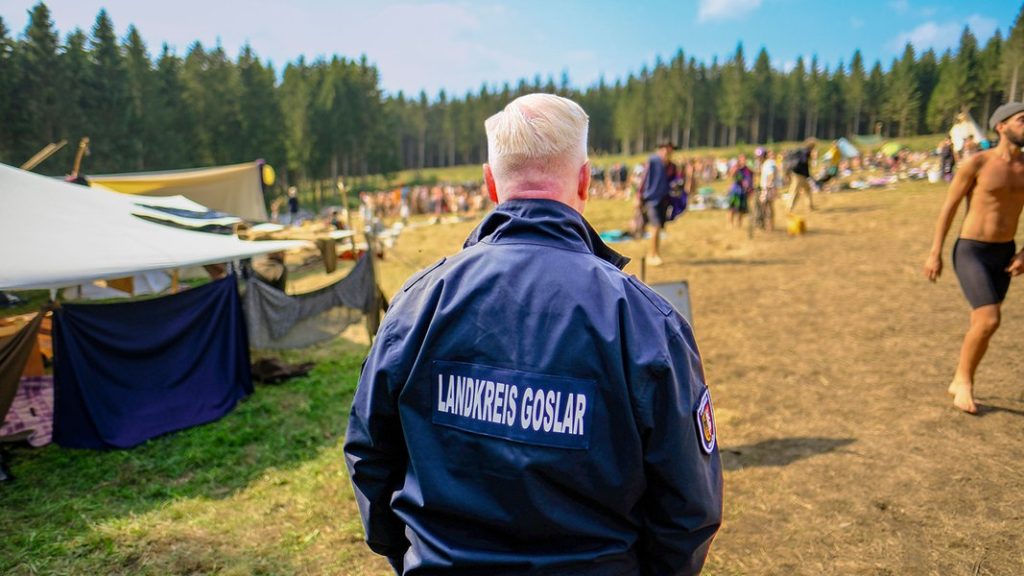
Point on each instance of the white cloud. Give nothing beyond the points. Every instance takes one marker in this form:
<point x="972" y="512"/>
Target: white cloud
<point x="900" y="5"/>
<point x="856" y="23"/>
<point x="725" y="9"/>
<point x="982" y="26"/>
<point x="930" y="34"/>
<point x="940" y="36"/>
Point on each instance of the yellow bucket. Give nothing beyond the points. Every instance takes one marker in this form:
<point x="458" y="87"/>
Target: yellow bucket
<point x="795" y="225"/>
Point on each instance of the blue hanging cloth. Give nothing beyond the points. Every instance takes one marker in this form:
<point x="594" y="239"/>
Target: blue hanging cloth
<point x="127" y="372"/>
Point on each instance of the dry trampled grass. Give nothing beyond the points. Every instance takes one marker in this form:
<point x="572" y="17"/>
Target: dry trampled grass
<point x="828" y="357"/>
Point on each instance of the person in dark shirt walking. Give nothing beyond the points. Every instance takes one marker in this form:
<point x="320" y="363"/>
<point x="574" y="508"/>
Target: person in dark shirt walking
<point x="654" y="198"/>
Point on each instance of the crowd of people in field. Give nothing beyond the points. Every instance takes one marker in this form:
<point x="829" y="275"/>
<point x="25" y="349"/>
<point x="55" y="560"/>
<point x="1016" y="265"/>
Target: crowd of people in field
<point x="752" y="183"/>
<point x="461" y="200"/>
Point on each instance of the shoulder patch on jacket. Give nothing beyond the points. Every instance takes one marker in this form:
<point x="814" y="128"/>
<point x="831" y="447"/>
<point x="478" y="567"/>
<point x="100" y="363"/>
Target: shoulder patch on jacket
<point x="707" y="431"/>
<point x="419" y="275"/>
<point x="664" y="307"/>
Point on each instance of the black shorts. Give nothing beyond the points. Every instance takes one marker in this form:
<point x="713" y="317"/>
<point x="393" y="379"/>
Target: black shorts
<point x="981" y="269"/>
<point x="656" y="212"/>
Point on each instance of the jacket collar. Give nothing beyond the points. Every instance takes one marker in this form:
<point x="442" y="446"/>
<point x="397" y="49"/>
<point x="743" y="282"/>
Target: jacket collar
<point x="546" y="222"/>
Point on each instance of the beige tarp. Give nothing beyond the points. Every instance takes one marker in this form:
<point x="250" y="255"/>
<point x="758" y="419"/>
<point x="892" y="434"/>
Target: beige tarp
<point x="235" y="189"/>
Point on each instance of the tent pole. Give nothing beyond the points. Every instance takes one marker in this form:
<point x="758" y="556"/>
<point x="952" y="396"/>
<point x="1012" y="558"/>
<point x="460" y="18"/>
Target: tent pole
<point x="174" y="281"/>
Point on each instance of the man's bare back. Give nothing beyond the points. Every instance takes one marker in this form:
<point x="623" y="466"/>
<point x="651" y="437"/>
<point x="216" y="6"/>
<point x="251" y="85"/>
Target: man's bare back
<point x="984" y="255"/>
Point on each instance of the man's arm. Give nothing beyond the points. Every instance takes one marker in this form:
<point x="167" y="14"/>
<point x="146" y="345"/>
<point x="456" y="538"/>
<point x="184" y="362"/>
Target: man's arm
<point x="376" y="455"/>
<point x="682" y="506"/>
<point x="963" y="183"/>
<point x="1016" y="266"/>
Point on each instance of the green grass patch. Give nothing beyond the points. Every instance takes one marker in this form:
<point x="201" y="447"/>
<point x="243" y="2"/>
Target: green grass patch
<point x="261" y="491"/>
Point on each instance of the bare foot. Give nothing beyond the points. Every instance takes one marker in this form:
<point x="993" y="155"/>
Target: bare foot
<point x="963" y="396"/>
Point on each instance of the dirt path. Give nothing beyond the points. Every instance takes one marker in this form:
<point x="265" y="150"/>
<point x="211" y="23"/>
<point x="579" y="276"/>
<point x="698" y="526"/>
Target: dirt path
<point x="828" y="356"/>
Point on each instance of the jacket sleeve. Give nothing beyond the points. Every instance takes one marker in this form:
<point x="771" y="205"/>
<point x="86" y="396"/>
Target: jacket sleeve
<point x="375" y="453"/>
<point x="682" y="507"/>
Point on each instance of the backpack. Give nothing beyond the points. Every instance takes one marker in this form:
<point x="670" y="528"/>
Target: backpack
<point x="790" y="160"/>
<point x="796" y="160"/>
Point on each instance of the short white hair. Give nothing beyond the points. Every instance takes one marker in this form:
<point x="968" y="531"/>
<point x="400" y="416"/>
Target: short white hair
<point x="535" y="130"/>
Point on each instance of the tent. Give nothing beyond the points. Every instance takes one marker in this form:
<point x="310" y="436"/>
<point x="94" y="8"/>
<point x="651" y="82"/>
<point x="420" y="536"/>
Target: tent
<point x="847" y="149"/>
<point x="236" y="189"/>
<point x="54" y="234"/>
<point x="124" y="373"/>
<point x="892" y="148"/>
<point x="965" y="126"/>
<point x="867" y="140"/>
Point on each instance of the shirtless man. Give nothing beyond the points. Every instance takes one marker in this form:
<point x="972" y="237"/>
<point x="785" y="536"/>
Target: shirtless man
<point x="984" y="256"/>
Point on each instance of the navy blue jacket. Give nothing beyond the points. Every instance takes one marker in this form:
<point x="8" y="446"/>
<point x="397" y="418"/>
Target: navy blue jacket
<point x="527" y="408"/>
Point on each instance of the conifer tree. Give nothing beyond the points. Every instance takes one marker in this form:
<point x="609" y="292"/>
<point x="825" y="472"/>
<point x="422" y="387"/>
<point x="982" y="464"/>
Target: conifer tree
<point x="35" y="95"/>
<point x="855" y="93"/>
<point x="109" y="110"/>
<point x="7" y="81"/>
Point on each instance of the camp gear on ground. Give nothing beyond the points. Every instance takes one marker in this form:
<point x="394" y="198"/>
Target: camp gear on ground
<point x="275" y="370"/>
<point x="31" y="412"/>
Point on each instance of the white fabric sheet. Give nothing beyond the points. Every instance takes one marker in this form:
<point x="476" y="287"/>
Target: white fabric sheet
<point x="54" y="234"/>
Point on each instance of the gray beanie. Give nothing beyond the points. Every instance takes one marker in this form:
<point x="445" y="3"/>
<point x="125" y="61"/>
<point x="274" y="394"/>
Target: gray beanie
<point x="1005" y="111"/>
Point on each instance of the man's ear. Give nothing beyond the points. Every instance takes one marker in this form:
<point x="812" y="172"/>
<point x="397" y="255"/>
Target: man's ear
<point x="583" y="189"/>
<point x="492" y="190"/>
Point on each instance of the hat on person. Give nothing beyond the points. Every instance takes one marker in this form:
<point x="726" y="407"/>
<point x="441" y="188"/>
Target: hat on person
<point x="1004" y="112"/>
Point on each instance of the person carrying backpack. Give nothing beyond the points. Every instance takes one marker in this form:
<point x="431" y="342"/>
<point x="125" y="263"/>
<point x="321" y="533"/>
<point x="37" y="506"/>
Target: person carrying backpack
<point x="799" y="164"/>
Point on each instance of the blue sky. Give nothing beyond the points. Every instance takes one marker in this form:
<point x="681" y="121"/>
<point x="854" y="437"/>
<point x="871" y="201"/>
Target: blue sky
<point x="459" y="45"/>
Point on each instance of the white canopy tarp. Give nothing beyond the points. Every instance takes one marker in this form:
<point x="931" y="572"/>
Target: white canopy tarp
<point x="54" y="234"/>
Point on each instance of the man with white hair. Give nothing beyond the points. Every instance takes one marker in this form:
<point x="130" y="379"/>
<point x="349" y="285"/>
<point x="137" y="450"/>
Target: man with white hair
<point x="527" y="408"/>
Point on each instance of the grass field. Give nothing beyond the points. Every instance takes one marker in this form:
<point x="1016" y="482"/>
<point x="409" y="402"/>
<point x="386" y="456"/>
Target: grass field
<point x="827" y="354"/>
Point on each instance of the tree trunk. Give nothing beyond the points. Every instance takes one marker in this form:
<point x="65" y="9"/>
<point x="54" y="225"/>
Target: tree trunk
<point x="1013" y="84"/>
<point x="421" y="159"/>
<point x="987" y="101"/>
<point x="689" y="123"/>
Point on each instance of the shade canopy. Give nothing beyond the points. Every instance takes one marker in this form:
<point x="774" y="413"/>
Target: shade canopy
<point x="54" y="234"/>
<point x="236" y="189"/>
